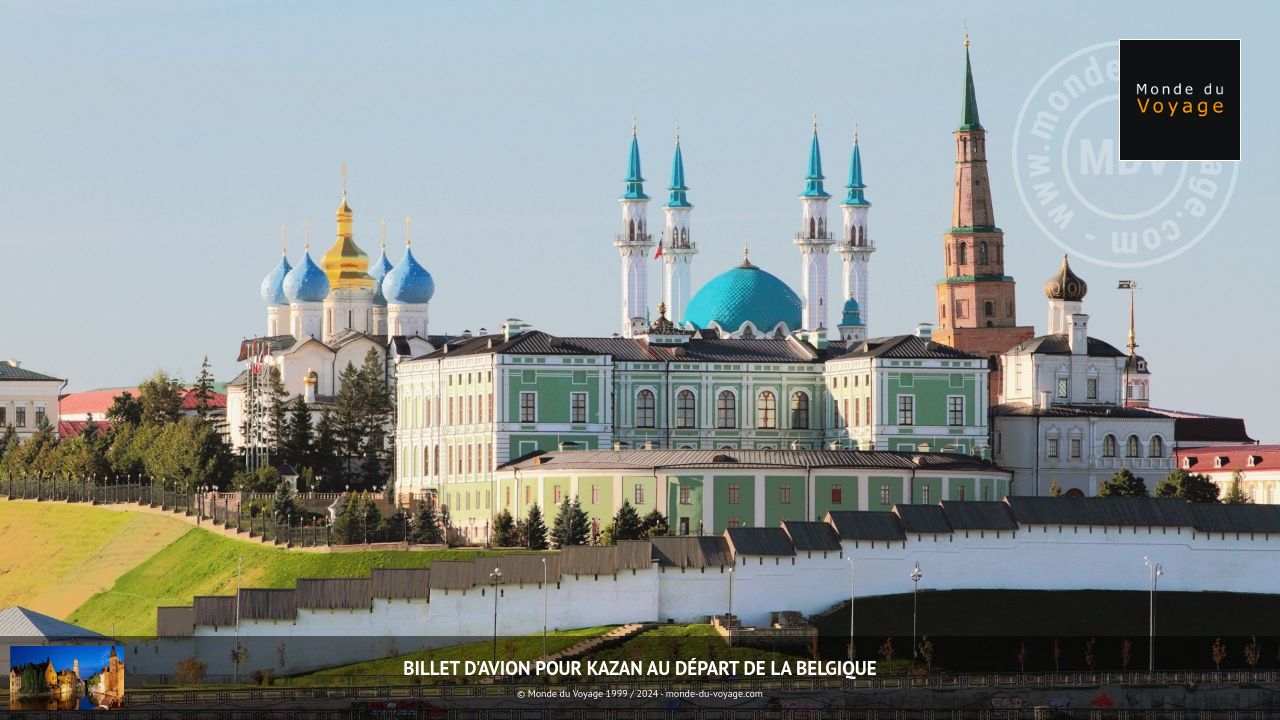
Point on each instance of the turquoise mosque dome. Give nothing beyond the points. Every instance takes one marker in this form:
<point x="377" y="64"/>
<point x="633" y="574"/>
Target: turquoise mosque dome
<point x="744" y="294"/>
<point x="378" y="271"/>
<point x="408" y="283"/>
<point x="306" y="282"/>
<point x="851" y="315"/>
<point x="272" y="288"/>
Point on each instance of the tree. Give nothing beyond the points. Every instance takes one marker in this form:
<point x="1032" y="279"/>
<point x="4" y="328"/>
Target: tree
<point x="426" y="528"/>
<point x="926" y="652"/>
<point x="361" y="413"/>
<point x="654" y="524"/>
<point x="125" y="410"/>
<point x="276" y="406"/>
<point x="1218" y="653"/>
<point x="187" y="454"/>
<point x="1193" y="487"/>
<point x="1021" y="657"/>
<point x="1252" y="653"/>
<point x="1091" y="653"/>
<point x="203" y="389"/>
<point x="1126" y="654"/>
<point x="324" y="454"/>
<point x="1123" y="484"/>
<point x="1055" y="490"/>
<point x="886" y="652"/>
<point x="536" y="528"/>
<point x="161" y="398"/>
<point x="283" y="508"/>
<point x="626" y="524"/>
<point x="572" y="526"/>
<point x="295" y="444"/>
<point x="504" y="530"/>
<point x="1236" y="494"/>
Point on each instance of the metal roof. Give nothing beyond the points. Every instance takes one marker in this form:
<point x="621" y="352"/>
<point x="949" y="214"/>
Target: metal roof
<point x="214" y="610"/>
<point x="1106" y="411"/>
<point x="517" y="569"/>
<point x="979" y="515"/>
<point x="1109" y="511"/>
<point x="267" y="604"/>
<point x="1247" y="518"/>
<point x="1060" y="344"/>
<point x="19" y="622"/>
<point x="9" y="371"/>
<point x="589" y="560"/>
<point x="697" y="551"/>
<point x="923" y="519"/>
<point x="905" y="346"/>
<point x="634" y="554"/>
<point x="772" y="541"/>
<point x="334" y="593"/>
<point x="650" y="460"/>
<point x="401" y="583"/>
<point x="811" y="535"/>
<point x="866" y="525"/>
<point x="452" y="574"/>
<point x="175" y="621"/>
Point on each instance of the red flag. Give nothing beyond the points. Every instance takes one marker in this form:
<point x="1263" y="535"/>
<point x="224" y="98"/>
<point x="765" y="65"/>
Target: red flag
<point x="659" y="253"/>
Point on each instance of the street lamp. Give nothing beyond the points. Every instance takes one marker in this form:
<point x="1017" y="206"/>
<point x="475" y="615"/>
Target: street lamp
<point x="1156" y="571"/>
<point x="495" y="578"/>
<point x="915" y="590"/>
<point x="729" y="618"/>
<point x="851" y="595"/>
<point x="544" y="607"/>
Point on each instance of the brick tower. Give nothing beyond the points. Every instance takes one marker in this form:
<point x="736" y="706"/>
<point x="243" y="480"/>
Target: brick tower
<point x="977" y="311"/>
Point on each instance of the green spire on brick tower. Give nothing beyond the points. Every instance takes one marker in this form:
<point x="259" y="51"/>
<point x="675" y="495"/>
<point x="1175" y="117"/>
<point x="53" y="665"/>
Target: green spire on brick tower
<point x="969" y="119"/>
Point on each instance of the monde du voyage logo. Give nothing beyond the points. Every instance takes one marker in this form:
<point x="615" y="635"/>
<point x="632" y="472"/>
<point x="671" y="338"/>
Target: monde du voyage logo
<point x="1124" y="151"/>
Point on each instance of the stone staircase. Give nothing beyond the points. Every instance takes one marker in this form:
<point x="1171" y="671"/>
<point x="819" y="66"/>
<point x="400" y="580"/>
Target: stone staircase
<point x="616" y="636"/>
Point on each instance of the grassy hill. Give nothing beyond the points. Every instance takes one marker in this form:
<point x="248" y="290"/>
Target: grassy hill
<point x="109" y="568"/>
<point x="57" y="555"/>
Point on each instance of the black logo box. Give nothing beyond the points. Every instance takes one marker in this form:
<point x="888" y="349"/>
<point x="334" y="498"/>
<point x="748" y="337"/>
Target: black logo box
<point x="1186" y="69"/>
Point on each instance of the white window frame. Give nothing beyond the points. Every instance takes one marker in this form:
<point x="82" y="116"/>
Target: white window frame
<point x="950" y="410"/>
<point x="586" y="407"/>
<point x="909" y="410"/>
<point x="533" y="394"/>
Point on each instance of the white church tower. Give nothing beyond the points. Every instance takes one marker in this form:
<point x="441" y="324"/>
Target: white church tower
<point x="814" y="241"/>
<point x="676" y="249"/>
<point x="634" y="244"/>
<point x="855" y="248"/>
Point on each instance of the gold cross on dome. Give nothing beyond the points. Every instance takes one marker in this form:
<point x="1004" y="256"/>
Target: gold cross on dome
<point x="343" y="172"/>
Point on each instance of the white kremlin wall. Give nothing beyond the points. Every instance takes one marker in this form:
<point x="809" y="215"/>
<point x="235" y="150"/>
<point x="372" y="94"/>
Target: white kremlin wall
<point x="1032" y="557"/>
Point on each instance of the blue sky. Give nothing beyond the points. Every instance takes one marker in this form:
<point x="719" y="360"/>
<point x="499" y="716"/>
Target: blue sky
<point x="150" y="151"/>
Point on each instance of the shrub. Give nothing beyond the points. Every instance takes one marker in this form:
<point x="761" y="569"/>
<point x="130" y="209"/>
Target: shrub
<point x="189" y="672"/>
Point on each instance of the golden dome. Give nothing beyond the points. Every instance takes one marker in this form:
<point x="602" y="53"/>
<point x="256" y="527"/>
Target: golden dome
<point x="345" y="263"/>
<point x="1065" y="285"/>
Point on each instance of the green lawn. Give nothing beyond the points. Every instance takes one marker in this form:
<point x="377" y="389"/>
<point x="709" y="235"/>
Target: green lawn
<point x="518" y="648"/>
<point x="204" y="563"/>
<point x="57" y="555"/>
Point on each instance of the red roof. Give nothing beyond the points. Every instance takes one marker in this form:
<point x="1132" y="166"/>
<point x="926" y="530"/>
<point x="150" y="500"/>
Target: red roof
<point x="70" y="428"/>
<point x="1226" y="458"/>
<point x="99" y="401"/>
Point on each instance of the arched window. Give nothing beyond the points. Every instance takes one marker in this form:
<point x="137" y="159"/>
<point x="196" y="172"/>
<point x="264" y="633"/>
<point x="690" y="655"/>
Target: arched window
<point x="686" y="409"/>
<point x="989" y="308"/>
<point x="767" y="410"/>
<point x="645" y="409"/>
<point x="799" y="410"/>
<point x="1109" y="446"/>
<point x="962" y="254"/>
<point x="1132" y="448"/>
<point x="812" y="227"/>
<point x="726" y="410"/>
<point x="982" y="253"/>
<point x="1157" y="447"/>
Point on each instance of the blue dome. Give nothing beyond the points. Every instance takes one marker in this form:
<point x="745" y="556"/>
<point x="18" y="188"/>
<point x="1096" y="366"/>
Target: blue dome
<point x="272" y="287"/>
<point x="408" y="283"/>
<point x="852" y="315"/>
<point x="307" y="282"/>
<point x="745" y="293"/>
<point x="377" y="271"/>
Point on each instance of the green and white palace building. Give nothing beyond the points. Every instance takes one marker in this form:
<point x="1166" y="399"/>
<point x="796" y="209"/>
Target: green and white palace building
<point x="732" y="409"/>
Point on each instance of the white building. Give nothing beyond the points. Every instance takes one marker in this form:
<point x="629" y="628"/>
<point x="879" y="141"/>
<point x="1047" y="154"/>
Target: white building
<point x="1062" y="415"/>
<point x="27" y="399"/>
<point x="320" y="319"/>
<point x="1257" y="466"/>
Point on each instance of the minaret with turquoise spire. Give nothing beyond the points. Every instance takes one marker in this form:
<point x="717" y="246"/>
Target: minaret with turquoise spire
<point x="677" y="249"/>
<point x="814" y="241"/>
<point x="634" y="244"/>
<point x="855" y="248"/>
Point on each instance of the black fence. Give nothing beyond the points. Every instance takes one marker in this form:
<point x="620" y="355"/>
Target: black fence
<point x="224" y="509"/>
